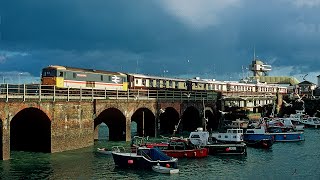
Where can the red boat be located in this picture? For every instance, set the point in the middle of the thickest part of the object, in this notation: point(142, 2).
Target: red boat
point(180, 148)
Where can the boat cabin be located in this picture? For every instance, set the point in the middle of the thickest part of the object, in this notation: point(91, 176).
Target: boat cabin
point(232, 135)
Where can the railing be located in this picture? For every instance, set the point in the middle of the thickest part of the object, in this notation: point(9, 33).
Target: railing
point(43, 92)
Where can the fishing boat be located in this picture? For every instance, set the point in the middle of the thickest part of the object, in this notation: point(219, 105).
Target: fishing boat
point(231, 136)
point(258, 138)
point(165, 170)
point(143, 158)
point(202, 139)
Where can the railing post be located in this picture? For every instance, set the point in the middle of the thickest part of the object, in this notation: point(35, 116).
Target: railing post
point(24, 92)
point(39, 92)
point(195, 95)
point(128, 94)
point(105, 93)
point(157, 94)
point(68, 93)
point(7, 93)
point(148, 94)
point(117, 94)
point(54, 93)
point(80, 93)
point(180, 96)
point(92, 93)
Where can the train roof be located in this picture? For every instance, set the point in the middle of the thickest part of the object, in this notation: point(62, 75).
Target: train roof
point(156, 77)
point(83, 70)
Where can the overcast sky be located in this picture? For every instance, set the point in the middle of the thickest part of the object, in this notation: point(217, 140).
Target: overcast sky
point(183, 38)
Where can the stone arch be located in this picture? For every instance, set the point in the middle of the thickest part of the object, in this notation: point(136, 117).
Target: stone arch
point(30, 130)
point(213, 119)
point(191, 119)
point(145, 120)
point(169, 118)
point(116, 122)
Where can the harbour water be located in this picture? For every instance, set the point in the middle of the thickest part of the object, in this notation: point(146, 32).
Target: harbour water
point(293, 160)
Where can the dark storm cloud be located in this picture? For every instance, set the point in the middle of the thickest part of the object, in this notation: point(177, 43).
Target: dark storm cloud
point(201, 37)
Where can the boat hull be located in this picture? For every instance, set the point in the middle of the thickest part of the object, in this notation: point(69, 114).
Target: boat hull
point(165, 170)
point(259, 140)
point(227, 149)
point(139, 162)
point(193, 153)
point(288, 137)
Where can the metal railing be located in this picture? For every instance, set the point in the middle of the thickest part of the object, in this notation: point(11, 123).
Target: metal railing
point(43, 92)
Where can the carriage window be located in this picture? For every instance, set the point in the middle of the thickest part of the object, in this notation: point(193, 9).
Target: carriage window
point(170, 83)
point(101, 77)
point(143, 82)
point(176, 84)
point(74, 75)
point(151, 82)
point(158, 83)
point(226, 136)
point(61, 74)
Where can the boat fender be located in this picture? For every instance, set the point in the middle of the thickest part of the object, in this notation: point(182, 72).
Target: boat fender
point(227, 149)
point(284, 136)
point(130, 161)
point(185, 154)
point(195, 153)
point(168, 165)
point(299, 137)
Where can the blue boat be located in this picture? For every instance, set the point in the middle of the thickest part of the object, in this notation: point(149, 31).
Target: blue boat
point(282, 136)
point(143, 158)
point(258, 138)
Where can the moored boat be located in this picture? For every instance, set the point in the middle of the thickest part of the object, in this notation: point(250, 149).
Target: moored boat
point(258, 138)
point(202, 138)
point(281, 136)
point(143, 158)
point(104, 151)
point(164, 170)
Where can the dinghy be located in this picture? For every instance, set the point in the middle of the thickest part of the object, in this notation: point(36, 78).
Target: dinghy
point(165, 170)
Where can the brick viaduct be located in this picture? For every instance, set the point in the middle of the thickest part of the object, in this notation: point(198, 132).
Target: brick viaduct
point(56, 126)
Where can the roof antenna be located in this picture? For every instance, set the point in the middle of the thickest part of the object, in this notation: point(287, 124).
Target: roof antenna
point(254, 52)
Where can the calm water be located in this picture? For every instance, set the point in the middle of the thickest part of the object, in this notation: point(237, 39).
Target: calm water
point(285, 160)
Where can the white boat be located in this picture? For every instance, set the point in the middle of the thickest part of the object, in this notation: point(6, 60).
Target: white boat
point(165, 170)
point(104, 151)
point(232, 135)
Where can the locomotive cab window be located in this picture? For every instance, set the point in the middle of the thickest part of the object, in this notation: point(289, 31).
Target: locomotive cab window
point(61, 74)
point(49, 73)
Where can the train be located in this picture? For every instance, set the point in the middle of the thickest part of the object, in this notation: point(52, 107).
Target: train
point(70, 77)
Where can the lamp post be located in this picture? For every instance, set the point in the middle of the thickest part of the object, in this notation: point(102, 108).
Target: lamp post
point(19, 81)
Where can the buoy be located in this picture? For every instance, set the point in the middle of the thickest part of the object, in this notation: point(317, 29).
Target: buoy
point(167, 165)
point(195, 153)
point(284, 136)
point(299, 137)
point(130, 161)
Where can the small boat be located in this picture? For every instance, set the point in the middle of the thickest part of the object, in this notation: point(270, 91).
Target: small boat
point(104, 151)
point(165, 170)
point(143, 158)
